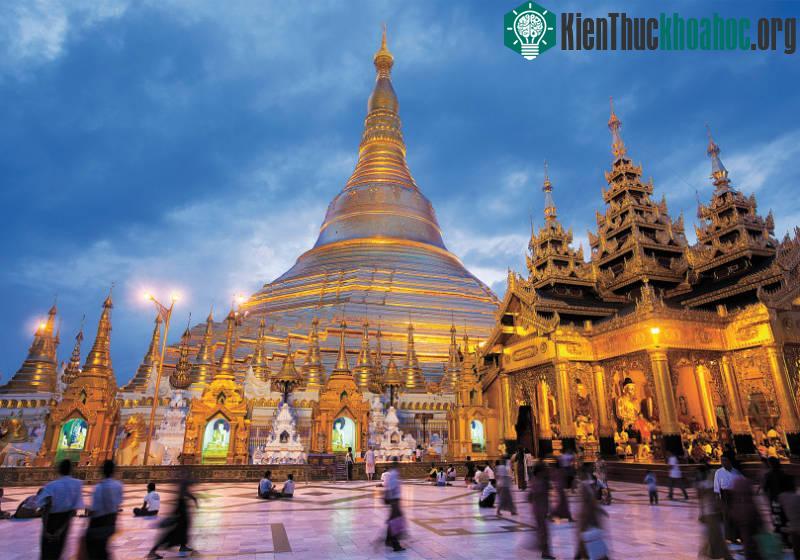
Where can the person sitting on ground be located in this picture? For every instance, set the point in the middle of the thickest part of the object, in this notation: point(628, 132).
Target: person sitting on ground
point(265, 486)
point(488, 495)
point(487, 470)
point(152, 501)
point(432, 473)
point(441, 479)
point(451, 473)
point(481, 479)
point(288, 487)
point(28, 509)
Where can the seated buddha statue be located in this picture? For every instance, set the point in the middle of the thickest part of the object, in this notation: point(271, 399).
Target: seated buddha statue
point(627, 405)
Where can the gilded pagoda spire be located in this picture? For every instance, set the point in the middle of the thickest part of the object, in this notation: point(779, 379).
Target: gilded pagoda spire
point(150, 359)
point(549, 204)
point(74, 366)
point(260, 362)
point(342, 368)
point(288, 376)
point(453, 367)
point(204, 366)
point(718, 172)
point(378, 371)
point(414, 380)
point(614, 125)
point(181, 378)
point(38, 372)
point(393, 379)
point(312, 368)
point(98, 361)
point(364, 370)
point(226, 370)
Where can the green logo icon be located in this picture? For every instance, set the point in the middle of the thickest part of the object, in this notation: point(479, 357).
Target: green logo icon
point(529, 30)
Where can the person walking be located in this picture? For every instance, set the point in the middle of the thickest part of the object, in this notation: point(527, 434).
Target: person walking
point(395, 525)
point(505, 501)
point(59, 500)
point(469, 478)
point(713, 545)
point(777, 482)
point(561, 482)
point(676, 477)
point(590, 541)
point(724, 479)
point(652, 487)
point(106, 501)
point(369, 463)
point(521, 469)
point(349, 461)
point(539, 496)
point(746, 516)
point(178, 524)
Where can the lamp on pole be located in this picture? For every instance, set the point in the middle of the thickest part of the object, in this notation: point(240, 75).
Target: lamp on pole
point(166, 314)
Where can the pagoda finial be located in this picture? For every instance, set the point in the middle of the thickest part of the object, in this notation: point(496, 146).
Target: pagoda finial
point(383, 59)
point(98, 362)
point(719, 174)
point(549, 204)
point(226, 369)
point(180, 378)
point(74, 366)
point(614, 124)
point(204, 367)
point(414, 379)
point(342, 368)
point(364, 368)
point(312, 368)
point(259, 363)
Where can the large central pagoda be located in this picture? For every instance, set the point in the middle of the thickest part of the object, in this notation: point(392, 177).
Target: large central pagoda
point(380, 256)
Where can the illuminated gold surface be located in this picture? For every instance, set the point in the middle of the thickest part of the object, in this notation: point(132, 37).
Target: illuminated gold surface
point(38, 372)
point(151, 358)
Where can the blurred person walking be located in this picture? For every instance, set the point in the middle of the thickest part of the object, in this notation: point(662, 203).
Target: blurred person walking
point(539, 497)
point(106, 502)
point(505, 501)
point(777, 482)
point(59, 501)
point(713, 544)
point(178, 524)
point(395, 525)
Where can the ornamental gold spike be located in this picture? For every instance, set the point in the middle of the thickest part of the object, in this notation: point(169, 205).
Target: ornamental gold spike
point(614, 124)
point(226, 369)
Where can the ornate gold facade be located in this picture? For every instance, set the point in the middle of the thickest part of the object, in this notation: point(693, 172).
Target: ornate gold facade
point(652, 341)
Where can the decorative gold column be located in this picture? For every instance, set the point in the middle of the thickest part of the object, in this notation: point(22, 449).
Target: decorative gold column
point(665, 394)
point(546, 430)
point(783, 390)
point(706, 401)
point(566, 425)
point(509, 431)
point(603, 423)
point(739, 424)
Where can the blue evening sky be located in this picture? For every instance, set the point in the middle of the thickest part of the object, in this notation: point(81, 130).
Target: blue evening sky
point(195, 145)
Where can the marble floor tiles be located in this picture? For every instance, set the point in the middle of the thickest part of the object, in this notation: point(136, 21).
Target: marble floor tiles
point(347, 521)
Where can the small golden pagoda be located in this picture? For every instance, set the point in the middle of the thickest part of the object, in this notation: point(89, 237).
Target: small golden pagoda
point(313, 372)
point(83, 425)
point(180, 379)
point(341, 417)
point(73, 367)
point(38, 372)
point(472, 424)
point(412, 373)
point(260, 361)
point(204, 367)
point(365, 370)
point(217, 427)
point(149, 362)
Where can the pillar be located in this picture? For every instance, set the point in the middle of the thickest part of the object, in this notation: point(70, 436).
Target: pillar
point(546, 431)
point(706, 400)
point(785, 397)
point(605, 431)
point(665, 398)
point(509, 432)
point(742, 438)
point(566, 423)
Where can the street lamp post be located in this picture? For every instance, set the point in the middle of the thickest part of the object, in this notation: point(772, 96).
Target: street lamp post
point(166, 313)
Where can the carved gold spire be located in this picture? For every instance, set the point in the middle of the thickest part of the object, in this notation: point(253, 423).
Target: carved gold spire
point(38, 372)
point(393, 380)
point(226, 370)
point(288, 377)
point(260, 363)
point(74, 366)
point(453, 367)
point(181, 378)
point(312, 368)
point(549, 204)
point(414, 380)
point(342, 368)
point(614, 125)
point(149, 361)
point(364, 370)
point(98, 362)
point(377, 378)
point(718, 172)
point(204, 366)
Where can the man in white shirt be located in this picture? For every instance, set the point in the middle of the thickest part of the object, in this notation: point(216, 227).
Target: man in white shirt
point(488, 495)
point(676, 477)
point(61, 498)
point(487, 470)
point(106, 501)
point(265, 486)
point(152, 503)
point(288, 487)
point(724, 479)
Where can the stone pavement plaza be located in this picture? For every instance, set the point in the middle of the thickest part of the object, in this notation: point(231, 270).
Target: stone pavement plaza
point(347, 520)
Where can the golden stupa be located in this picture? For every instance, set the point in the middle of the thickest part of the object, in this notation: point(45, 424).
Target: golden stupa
point(379, 259)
